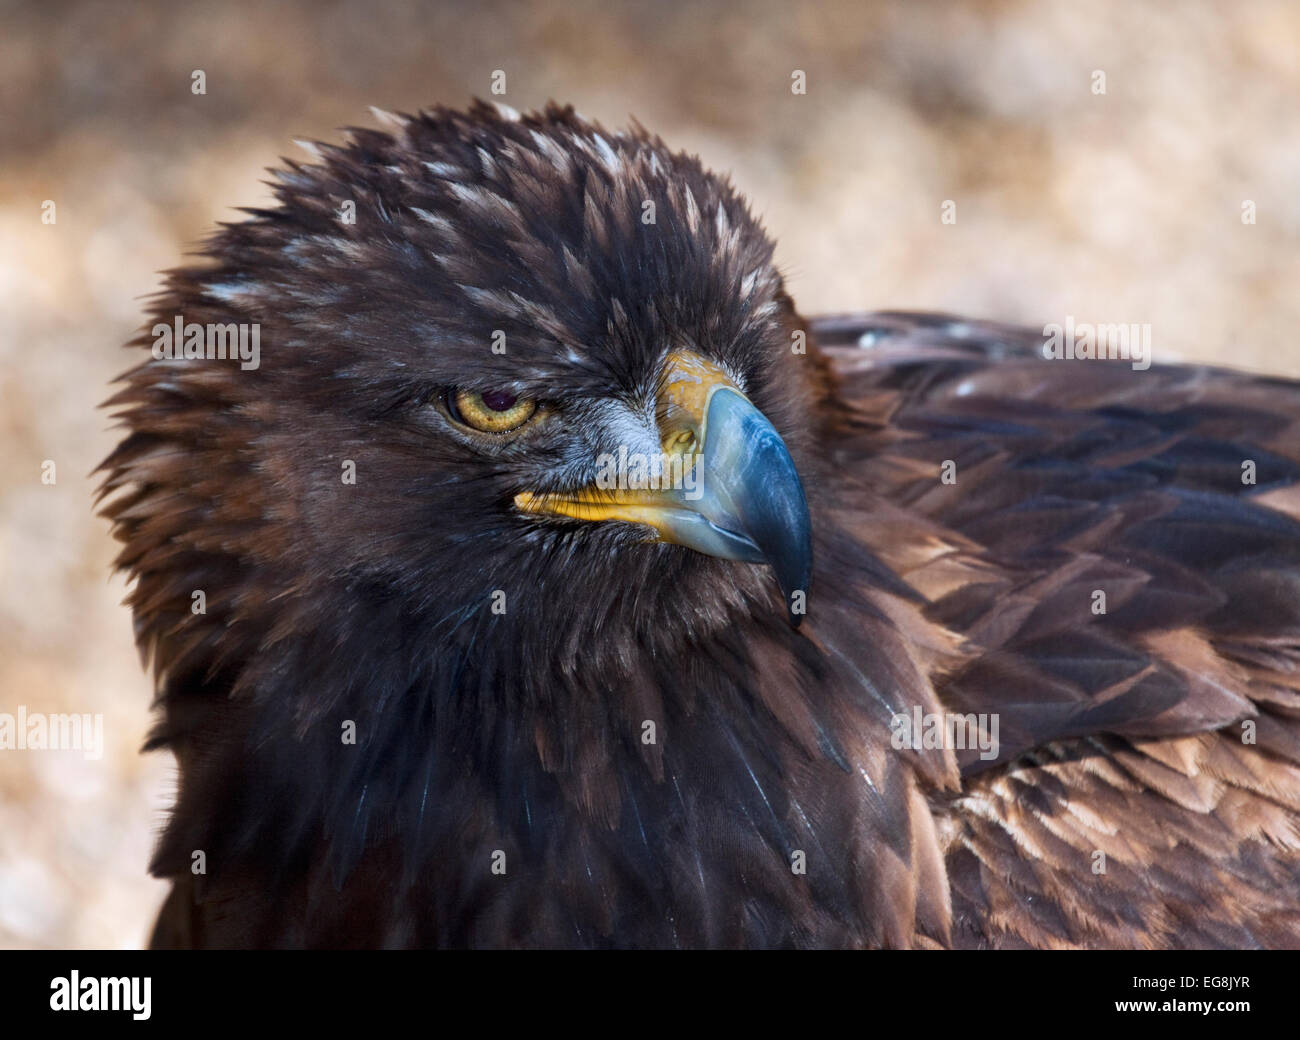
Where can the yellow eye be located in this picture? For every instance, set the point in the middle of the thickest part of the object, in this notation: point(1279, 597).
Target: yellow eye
point(492, 411)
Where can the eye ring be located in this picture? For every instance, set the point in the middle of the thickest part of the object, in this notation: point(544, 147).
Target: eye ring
point(490, 411)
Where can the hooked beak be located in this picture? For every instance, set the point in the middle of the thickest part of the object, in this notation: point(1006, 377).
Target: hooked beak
point(725, 484)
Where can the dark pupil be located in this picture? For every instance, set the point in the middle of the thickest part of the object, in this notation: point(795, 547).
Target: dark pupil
point(499, 400)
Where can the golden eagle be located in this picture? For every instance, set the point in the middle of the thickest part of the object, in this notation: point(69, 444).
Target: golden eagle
point(519, 568)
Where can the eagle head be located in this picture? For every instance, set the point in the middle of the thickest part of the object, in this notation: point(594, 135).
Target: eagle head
point(508, 367)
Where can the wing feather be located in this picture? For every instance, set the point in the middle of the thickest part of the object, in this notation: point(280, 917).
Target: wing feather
point(1119, 556)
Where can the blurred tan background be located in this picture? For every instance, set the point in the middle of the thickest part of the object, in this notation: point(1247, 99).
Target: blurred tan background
point(1122, 207)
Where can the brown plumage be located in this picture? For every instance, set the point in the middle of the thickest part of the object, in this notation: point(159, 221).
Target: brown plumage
point(966, 501)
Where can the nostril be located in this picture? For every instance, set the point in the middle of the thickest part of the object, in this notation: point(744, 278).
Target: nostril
point(680, 443)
